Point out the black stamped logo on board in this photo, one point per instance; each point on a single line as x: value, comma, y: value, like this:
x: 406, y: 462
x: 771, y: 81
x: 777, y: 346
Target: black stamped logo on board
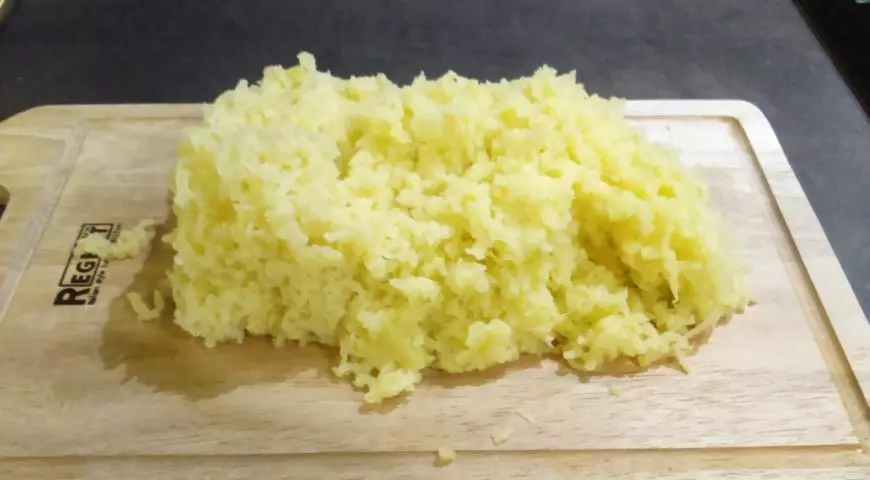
x: 84, y: 274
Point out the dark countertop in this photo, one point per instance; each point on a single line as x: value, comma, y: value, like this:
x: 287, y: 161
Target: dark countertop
x: 842, y: 27
x: 119, y: 51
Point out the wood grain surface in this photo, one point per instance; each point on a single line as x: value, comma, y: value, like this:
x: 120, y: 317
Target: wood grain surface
x: 88, y: 392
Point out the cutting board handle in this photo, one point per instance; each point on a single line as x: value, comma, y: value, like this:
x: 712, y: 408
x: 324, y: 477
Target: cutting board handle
x: 4, y: 200
x: 34, y: 167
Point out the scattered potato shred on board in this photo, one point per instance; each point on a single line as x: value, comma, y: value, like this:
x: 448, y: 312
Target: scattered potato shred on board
x: 142, y: 311
x: 501, y: 435
x: 446, y: 455
x: 449, y: 223
x: 128, y: 244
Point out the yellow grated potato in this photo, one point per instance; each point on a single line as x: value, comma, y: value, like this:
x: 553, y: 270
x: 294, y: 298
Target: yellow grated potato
x: 613, y: 391
x: 449, y: 223
x: 142, y: 311
x: 501, y: 435
x: 129, y: 243
x: 446, y: 455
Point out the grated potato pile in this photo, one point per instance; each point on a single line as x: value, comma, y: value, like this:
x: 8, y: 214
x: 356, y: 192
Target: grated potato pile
x: 449, y: 223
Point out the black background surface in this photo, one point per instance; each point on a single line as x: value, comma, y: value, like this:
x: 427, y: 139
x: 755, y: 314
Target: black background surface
x: 120, y: 51
x: 844, y: 28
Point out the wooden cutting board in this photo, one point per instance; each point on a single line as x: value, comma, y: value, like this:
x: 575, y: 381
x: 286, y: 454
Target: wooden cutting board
x: 86, y: 391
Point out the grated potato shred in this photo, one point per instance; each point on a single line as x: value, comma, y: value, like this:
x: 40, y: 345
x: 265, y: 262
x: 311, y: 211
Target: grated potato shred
x: 128, y: 244
x: 446, y: 455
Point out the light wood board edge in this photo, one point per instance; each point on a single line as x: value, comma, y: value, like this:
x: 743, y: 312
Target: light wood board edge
x: 803, y: 463
x: 38, y: 212
x: 838, y: 322
x: 840, y: 326
x: 66, y: 123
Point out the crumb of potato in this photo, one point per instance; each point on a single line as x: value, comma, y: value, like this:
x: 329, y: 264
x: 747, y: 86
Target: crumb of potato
x: 681, y: 364
x: 446, y: 455
x: 501, y: 435
x: 129, y: 243
x: 142, y: 311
